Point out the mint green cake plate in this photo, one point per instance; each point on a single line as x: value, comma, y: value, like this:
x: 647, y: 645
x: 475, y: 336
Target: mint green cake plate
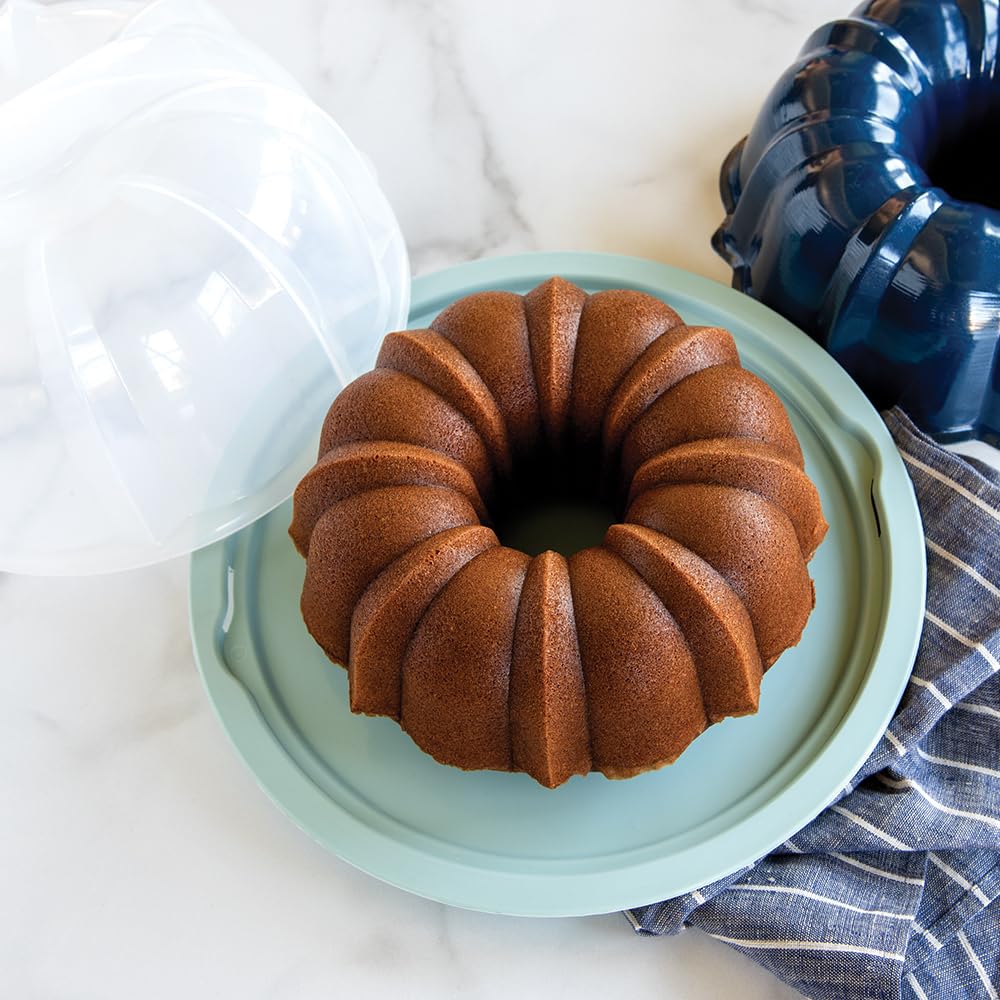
x: 500, y: 842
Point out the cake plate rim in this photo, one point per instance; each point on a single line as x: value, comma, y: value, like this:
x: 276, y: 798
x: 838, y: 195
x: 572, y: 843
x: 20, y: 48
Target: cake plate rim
x: 631, y: 878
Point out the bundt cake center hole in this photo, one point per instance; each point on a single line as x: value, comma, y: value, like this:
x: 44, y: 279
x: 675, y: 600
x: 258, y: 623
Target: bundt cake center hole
x: 535, y: 521
x: 960, y: 165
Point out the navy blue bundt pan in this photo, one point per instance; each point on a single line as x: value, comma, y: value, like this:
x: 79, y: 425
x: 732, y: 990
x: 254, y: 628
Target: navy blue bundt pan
x: 864, y: 203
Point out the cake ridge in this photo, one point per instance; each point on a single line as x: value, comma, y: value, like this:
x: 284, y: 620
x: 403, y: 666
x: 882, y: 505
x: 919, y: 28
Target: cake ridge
x: 624, y: 409
x: 546, y: 653
x: 616, y: 326
x: 389, y: 459
x: 432, y: 562
x: 673, y: 511
x: 375, y: 543
x: 555, y: 401
x: 508, y: 373
x: 743, y: 405
x: 399, y: 352
x: 795, y: 494
x: 583, y: 673
x: 656, y: 634
x: 486, y: 741
x: 672, y: 571
x: 341, y: 428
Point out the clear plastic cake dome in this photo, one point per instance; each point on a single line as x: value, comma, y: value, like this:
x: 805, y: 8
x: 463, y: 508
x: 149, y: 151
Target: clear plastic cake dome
x: 194, y: 259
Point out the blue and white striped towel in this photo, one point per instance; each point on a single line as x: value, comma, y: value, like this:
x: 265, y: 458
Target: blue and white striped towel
x: 894, y: 891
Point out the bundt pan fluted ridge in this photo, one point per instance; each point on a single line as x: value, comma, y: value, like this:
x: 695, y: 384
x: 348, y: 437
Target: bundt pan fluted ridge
x: 863, y: 206
x: 618, y: 657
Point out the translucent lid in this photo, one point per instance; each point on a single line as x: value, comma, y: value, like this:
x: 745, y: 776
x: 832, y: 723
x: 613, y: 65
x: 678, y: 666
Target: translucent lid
x: 193, y: 260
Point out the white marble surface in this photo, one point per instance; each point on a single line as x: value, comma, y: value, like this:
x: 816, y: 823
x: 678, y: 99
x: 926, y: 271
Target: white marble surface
x: 139, y: 858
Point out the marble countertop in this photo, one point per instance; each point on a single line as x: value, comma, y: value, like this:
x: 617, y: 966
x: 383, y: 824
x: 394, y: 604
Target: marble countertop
x: 139, y: 857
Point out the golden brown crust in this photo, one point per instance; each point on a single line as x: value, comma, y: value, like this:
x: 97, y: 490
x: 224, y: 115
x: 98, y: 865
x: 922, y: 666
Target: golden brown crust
x: 457, y: 666
x: 722, y: 401
x: 435, y: 361
x: 746, y: 464
x: 393, y: 604
x: 750, y: 542
x: 548, y: 702
x: 491, y: 330
x: 643, y: 698
x: 712, y: 618
x: 677, y: 353
x: 553, y: 314
x: 616, y: 326
x: 386, y: 405
x: 356, y: 539
x: 367, y: 465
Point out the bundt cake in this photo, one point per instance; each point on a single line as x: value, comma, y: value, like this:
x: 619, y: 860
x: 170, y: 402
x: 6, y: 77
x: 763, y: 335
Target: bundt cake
x: 864, y: 206
x: 616, y: 658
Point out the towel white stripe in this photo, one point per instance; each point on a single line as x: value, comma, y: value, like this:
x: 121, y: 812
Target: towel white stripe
x: 974, y: 958
x: 912, y: 980
x: 791, y: 945
x: 963, y: 882
x: 894, y: 740
x: 940, y: 806
x: 927, y: 934
x: 864, y: 824
x: 948, y: 762
x: 930, y: 687
x: 788, y: 843
x: 948, y: 481
x: 964, y: 640
x: 631, y: 919
x: 871, y: 869
x: 964, y: 566
x: 794, y: 891
x: 698, y: 897
x: 971, y: 706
